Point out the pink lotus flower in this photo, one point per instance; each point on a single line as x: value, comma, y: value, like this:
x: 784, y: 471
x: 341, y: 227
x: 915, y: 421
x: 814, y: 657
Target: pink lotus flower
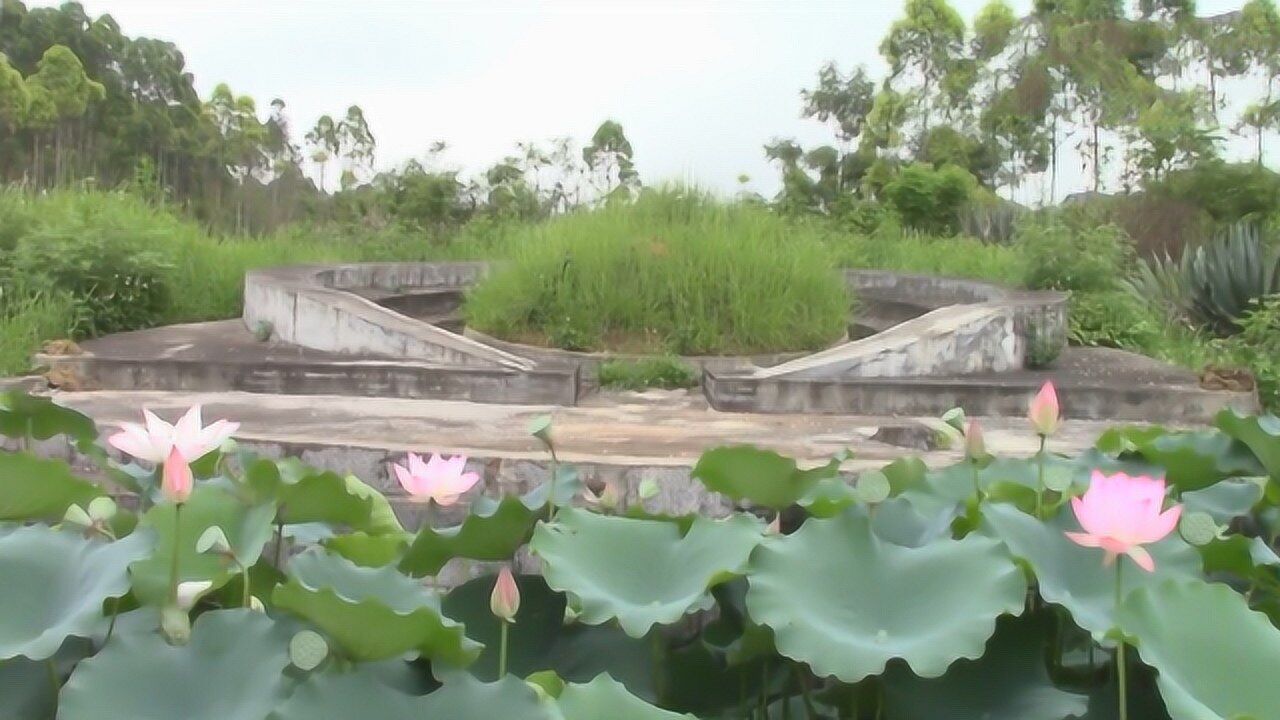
x: 154, y: 440
x: 436, y: 479
x: 176, y: 481
x: 505, y: 600
x: 1120, y: 514
x: 1043, y: 412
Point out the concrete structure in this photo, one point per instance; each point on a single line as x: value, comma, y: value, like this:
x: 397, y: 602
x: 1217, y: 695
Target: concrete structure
x: 920, y: 346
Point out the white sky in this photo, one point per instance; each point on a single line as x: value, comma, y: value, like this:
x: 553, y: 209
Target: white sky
x: 699, y: 85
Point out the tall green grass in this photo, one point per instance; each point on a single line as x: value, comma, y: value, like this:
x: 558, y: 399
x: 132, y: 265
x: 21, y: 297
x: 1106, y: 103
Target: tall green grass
x: 911, y: 252
x: 674, y: 271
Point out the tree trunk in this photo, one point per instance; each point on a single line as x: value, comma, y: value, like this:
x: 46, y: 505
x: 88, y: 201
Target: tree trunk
x: 1097, y: 170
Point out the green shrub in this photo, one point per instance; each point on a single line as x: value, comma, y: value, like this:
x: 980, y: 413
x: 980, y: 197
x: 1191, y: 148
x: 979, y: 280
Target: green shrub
x: 1110, y: 319
x: 1257, y: 347
x: 674, y: 271
x: 930, y: 200
x: 655, y: 372
x: 104, y: 255
x: 27, y: 319
x: 912, y: 252
x: 1061, y: 257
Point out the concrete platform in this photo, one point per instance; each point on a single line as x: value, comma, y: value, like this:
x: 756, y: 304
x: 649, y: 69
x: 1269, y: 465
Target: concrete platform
x: 1095, y: 384
x: 224, y: 355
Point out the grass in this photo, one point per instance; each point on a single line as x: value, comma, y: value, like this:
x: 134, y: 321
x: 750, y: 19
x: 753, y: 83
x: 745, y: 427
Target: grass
x: 911, y: 252
x: 655, y: 372
x: 674, y: 272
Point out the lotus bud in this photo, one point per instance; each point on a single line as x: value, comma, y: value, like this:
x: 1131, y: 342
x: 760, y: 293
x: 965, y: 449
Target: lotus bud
x: 955, y: 418
x: 177, y: 481
x: 775, y: 526
x: 1043, y: 412
x: 505, y: 600
x: 975, y: 445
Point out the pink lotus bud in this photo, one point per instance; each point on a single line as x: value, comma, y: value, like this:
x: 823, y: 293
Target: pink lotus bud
x: 975, y: 445
x: 505, y: 600
x: 1043, y: 412
x: 1120, y: 514
x: 177, y: 480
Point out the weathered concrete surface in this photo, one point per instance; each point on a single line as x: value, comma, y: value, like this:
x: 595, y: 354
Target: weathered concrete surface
x: 1093, y: 383
x: 208, y: 357
x: 311, y: 306
x: 966, y: 327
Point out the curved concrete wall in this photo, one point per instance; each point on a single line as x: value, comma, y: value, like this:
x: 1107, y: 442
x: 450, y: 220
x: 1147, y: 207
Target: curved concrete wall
x: 963, y: 326
x: 310, y: 306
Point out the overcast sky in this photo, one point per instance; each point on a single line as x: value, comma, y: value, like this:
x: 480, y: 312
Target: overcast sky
x: 699, y: 85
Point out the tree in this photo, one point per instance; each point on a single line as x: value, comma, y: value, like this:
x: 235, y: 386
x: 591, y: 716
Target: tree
x: 609, y: 161
x: 925, y: 41
x: 356, y: 146
x: 15, y: 98
x: 324, y: 143
x: 1259, y: 117
x: 61, y: 79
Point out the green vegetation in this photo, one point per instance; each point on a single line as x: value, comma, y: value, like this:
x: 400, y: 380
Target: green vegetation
x: 653, y: 372
x: 675, y: 271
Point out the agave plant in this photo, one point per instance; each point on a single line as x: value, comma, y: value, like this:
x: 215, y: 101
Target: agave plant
x: 1215, y: 285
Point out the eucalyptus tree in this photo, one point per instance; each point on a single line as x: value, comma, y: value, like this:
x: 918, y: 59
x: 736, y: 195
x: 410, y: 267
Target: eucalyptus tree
x: 925, y: 42
x: 355, y: 145
x: 323, y: 144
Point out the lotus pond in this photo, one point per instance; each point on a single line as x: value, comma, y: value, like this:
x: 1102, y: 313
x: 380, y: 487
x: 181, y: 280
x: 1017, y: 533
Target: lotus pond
x: 1137, y: 580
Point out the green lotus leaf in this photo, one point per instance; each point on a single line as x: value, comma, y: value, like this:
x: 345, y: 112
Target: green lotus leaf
x: 762, y: 477
x: 828, y: 497
x: 40, y: 418
x: 33, y: 488
x: 248, y: 527
x: 1189, y: 460
x: 232, y: 669
x: 55, y: 583
x: 843, y: 600
x: 357, y: 693
x: 368, y: 550
x: 900, y: 522
x: 372, y: 613
x: 1075, y: 577
x: 1260, y: 433
x: 1009, y: 682
x: 607, y: 699
x: 307, y: 495
x: 493, y: 530
x: 540, y: 640
x: 596, y: 559
x: 27, y: 691
x: 1238, y: 554
x: 1215, y: 657
x: 462, y: 697
x: 1224, y: 500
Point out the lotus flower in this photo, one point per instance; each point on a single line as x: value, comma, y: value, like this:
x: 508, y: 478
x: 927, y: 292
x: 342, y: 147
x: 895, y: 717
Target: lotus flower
x: 1043, y: 412
x: 153, y: 441
x: 505, y: 600
x: 176, y: 481
x: 436, y: 479
x: 1120, y: 514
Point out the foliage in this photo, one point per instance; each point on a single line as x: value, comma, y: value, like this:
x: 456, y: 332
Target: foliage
x: 654, y: 372
x: 1062, y: 257
x: 1113, y: 318
x: 1216, y: 284
x: 674, y: 271
x: 1257, y: 347
x: 949, y: 590
x: 1229, y: 192
x: 929, y: 199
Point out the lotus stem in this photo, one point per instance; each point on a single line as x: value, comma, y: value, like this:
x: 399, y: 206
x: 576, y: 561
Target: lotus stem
x: 1121, y: 666
x: 279, y: 539
x: 551, y: 491
x: 54, y: 683
x: 810, y: 711
x: 1040, y: 477
x: 244, y: 577
x: 502, y: 649
x: 177, y: 543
